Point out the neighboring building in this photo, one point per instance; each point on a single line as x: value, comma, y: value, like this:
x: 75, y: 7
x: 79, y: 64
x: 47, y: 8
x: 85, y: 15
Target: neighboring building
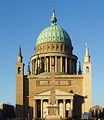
x: 97, y: 112
x: 6, y: 111
x: 73, y: 91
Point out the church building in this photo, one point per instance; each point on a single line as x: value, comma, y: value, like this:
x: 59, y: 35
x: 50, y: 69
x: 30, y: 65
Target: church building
x: 73, y: 89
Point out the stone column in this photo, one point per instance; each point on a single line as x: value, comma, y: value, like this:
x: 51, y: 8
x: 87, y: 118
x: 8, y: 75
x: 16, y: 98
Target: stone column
x: 34, y: 109
x: 41, y: 108
x: 64, y: 108
x: 71, y: 108
x: 61, y: 64
x: 47, y: 63
x: 50, y: 63
x: 70, y: 64
x: 36, y: 66
x: 65, y: 64
x: 40, y: 65
x: 33, y: 66
x: 44, y: 64
x: 55, y: 63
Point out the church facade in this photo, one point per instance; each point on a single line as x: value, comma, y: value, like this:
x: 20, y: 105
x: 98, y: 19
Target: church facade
x: 72, y: 89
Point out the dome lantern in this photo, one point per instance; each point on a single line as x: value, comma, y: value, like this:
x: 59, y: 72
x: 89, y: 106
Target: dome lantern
x: 53, y: 19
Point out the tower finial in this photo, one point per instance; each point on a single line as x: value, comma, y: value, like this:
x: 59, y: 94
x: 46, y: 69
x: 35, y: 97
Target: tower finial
x: 20, y: 55
x: 87, y: 57
x: 28, y: 71
x: 20, y: 51
x: 87, y: 50
x: 53, y: 19
x: 80, y: 71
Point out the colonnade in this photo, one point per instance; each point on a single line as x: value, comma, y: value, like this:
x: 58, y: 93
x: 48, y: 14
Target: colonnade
x: 97, y: 113
x: 62, y: 64
x: 38, y: 108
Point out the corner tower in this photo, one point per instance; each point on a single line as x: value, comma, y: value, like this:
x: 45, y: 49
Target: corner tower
x: 87, y: 82
x: 19, y: 85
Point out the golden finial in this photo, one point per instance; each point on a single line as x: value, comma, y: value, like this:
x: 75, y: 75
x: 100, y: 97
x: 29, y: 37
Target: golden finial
x: 53, y: 20
x: 20, y: 51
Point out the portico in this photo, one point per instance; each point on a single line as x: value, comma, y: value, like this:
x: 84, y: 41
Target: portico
x: 64, y: 101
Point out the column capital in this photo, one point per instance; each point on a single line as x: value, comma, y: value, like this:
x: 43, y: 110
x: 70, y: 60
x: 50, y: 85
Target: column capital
x: 72, y: 99
x: 34, y: 99
x: 64, y: 99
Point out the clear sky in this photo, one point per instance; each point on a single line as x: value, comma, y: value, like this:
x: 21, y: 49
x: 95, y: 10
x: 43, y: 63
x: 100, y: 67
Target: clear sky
x: 21, y: 21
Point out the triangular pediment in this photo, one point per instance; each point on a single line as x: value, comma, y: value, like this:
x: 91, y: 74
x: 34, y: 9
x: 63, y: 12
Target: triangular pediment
x: 96, y: 107
x: 57, y: 92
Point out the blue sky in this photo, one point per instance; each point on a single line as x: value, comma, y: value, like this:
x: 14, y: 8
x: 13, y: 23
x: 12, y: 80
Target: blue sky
x: 21, y: 21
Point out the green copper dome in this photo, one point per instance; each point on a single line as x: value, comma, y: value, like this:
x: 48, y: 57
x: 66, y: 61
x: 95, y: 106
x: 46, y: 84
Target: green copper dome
x: 53, y: 33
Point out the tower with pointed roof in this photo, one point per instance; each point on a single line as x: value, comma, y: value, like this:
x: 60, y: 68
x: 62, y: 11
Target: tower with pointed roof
x: 87, y: 81
x: 72, y: 88
x: 19, y: 85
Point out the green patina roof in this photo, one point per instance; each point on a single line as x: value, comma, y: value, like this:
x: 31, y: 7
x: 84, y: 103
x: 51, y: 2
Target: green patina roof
x: 53, y: 33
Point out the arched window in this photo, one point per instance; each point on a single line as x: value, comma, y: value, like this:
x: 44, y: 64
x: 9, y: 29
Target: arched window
x: 57, y: 47
x: 87, y: 69
x: 19, y: 70
x: 61, y: 47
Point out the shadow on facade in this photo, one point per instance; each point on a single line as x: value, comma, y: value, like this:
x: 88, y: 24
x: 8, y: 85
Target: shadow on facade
x: 7, y: 111
x: 77, y: 106
x: 24, y: 112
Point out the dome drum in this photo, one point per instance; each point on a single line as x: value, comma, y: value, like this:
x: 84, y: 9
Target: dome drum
x: 54, y: 47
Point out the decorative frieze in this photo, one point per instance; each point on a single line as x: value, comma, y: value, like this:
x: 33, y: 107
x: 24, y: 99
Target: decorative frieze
x: 57, y: 82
